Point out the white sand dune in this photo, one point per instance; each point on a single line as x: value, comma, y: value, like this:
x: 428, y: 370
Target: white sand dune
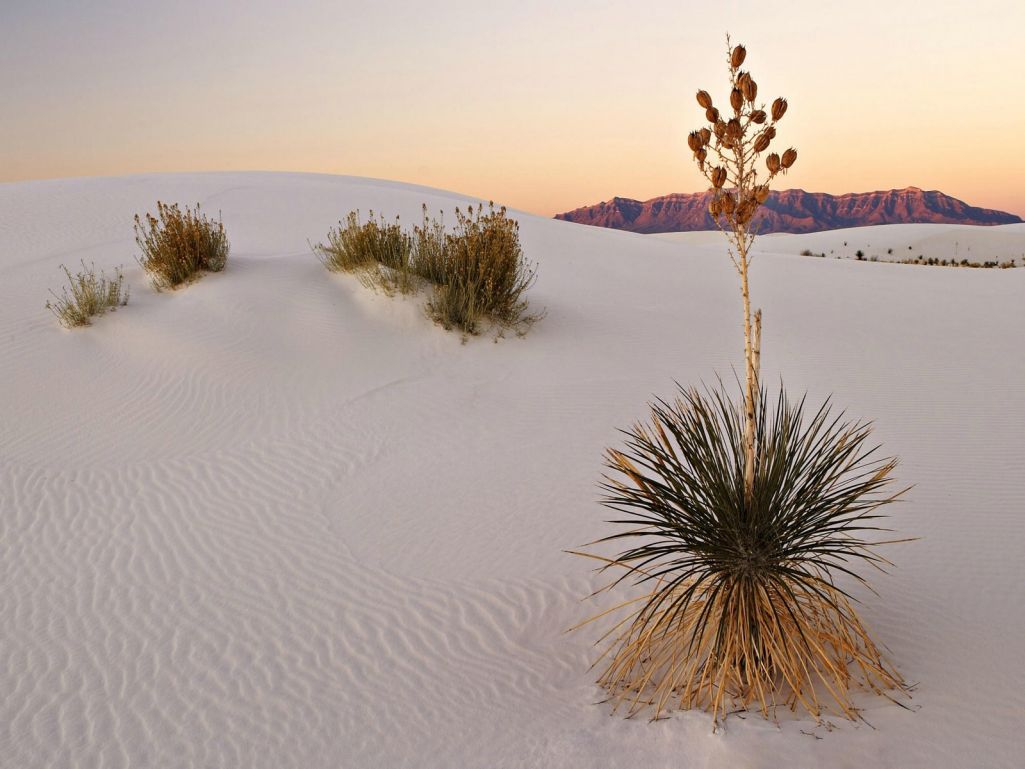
x: 888, y: 242
x: 274, y: 520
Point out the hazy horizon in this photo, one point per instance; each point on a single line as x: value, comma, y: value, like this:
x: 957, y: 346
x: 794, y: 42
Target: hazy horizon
x: 543, y: 108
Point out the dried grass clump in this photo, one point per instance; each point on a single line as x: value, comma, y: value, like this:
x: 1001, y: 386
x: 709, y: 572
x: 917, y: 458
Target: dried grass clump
x: 480, y: 273
x: 177, y: 246
x: 477, y: 273
x: 741, y: 607
x: 376, y: 251
x: 88, y: 295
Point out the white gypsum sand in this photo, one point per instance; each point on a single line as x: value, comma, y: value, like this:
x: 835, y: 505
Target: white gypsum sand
x: 888, y: 242
x: 275, y: 520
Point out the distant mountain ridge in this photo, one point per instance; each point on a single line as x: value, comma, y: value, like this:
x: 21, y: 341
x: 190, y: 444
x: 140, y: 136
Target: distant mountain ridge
x: 794, y: 211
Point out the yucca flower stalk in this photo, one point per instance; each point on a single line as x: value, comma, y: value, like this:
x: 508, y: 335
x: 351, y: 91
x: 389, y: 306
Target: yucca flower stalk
x: 737, y: 144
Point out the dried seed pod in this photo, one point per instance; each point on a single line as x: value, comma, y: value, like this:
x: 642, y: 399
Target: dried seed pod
x: 713, y: 208
x: 694, y: 141
x: 772, y: 163
x: 750, y: 89
x: 762, y: 142
x: 704, y: 100
x: 762, y: 193
x: 744, y: 212
x: 711, y: 114
x: 706, y: 136
x: 779, y: 108
x: 727, y: 203
x: 789, y: 157
x: 758, y: 116
x: 718, y: 177
x: 736, y: 99
x: 720, y: 128
x: 733, y: 129
x: 738, y: 56
x: 700, y: 155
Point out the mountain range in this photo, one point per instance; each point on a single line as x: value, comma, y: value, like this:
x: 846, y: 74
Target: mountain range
x: 790, y: 211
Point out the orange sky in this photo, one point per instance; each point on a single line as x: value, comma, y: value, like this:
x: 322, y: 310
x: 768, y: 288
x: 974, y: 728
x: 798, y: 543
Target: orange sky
x: 541, y: 106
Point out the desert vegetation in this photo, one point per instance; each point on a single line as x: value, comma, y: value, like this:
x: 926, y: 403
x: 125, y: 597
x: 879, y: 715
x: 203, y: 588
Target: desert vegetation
x: 476, y: 272
x: 87, y: 295
x: 931, y: 261
x: 179, y: 245
x: 740, y: 514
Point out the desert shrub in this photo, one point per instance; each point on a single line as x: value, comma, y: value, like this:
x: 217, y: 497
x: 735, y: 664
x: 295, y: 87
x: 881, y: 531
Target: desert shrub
x: 87, y: 295
x: 430, y: 249
x: 477, y: 272
x: 376, y: 251
x: 860, y: 254
x: 741, y: 605
x: 177, y: 246
x: 482, y: 273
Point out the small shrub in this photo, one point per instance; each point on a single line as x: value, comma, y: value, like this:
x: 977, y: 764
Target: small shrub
x: 88, y: 295
x: 482, y: 273
x: 376, y: 251
x: 478, y: 272
x: 430, y: 253
x: 807, y: 252
x: 860, y: 255
x: 178, y: 245
x: 741, y: 606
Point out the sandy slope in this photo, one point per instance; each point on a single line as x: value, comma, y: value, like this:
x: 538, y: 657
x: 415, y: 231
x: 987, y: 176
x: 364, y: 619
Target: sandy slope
x: 275, y: 521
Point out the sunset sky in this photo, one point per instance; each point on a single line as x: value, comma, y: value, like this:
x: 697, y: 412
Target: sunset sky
x: 541, y: 105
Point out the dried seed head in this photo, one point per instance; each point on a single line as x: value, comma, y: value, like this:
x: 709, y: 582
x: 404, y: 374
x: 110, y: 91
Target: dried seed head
x: 718, y: 177
x: 736, y: 99
x: 779, y: 108
x: 762, y: 142
x: 727, y: 203
x: 762, y: 193
x: 745, y: 211
x: 711, y: 114
x: 713, y: 208
x: 706, y: 136
x: 701, y: 154
x: 733, y: 129
x: 789, y: 157
x: 750, y: 89
x: 772, y: 163
x: 738, y: 55
x: 704, y: 99
x: 694, y: 141
x: 758, y: 116
x: 720, y: 128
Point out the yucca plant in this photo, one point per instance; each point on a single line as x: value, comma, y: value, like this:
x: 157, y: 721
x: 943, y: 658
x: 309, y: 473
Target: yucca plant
x: 741, y: 606
x: 178, y: 245
x: 743, y: 518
